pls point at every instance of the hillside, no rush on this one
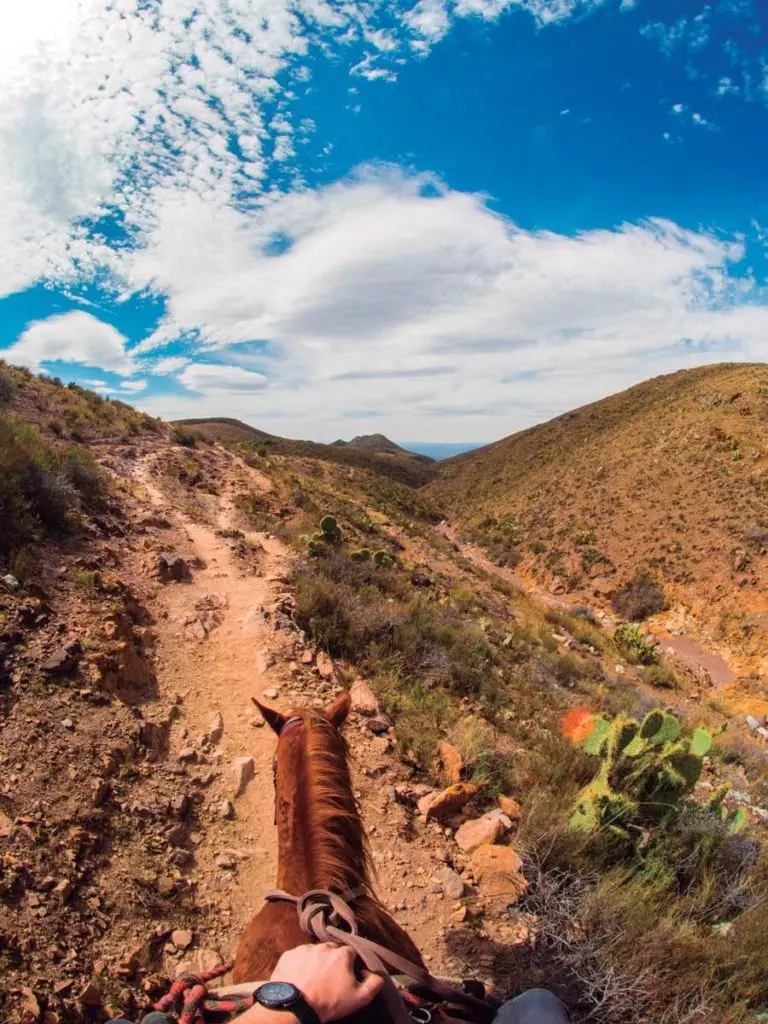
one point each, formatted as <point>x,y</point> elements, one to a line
<point>669,478</point>
<point>373,451</point>
<point>153,581</point>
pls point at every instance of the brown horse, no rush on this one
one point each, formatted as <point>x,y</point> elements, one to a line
<point>320,841</point>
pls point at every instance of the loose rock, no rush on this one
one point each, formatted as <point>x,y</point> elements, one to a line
<point>450,762</point>
<point>363,698</point>
<point>498,871</point>
<point>62,659</point>
<point>378,726</point>
<point>482,831</point>
<point>217,728</point>
<point>511,808</point>
<point>451,883</point>
<point>325,665</point>
<point>244,769</point>
<point>182,938</point>
<point>171,568</point>
<point>447,802</point>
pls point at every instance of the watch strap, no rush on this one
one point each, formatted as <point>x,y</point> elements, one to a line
<point>305,1013</point>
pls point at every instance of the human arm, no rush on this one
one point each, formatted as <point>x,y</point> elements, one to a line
<point>325,976</point>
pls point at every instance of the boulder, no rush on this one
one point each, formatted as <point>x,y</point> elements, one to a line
<point>244,769</point>
<point>363,698</point>
<point>226,809</point>
<point>482,831</point>
<point>450,762</point>
<point>498,872</point>
<point>447,802</point>
<point>511,808</point>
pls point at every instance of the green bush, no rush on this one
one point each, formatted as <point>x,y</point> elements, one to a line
<point>184,437</point>
<point>639,598</point>
<point>40,486</point>
<point>635,645</point>
<point>359,613</point>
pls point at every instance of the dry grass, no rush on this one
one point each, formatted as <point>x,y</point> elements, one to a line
<point>644,482</point>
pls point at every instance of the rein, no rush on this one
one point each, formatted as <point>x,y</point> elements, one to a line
<point>328,917</point>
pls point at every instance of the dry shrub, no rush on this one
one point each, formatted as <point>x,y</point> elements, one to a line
<point>7,386</point>
<point>40,486</point>
<point>639,598</point>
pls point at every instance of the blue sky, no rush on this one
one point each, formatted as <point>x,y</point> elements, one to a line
<point>442,220</point>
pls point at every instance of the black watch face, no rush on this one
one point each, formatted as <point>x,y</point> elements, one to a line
<point>278,994</point>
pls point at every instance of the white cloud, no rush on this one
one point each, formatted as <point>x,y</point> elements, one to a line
<point>678,108</point>
<point>726,87</point>
<point>212,378</point>
<point>75,337</point>
<point>168,365</point>
<point>134,385</point>
<point>429,19</point>
<point>413,308</point>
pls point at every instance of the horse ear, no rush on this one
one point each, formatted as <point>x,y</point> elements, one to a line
<point>273,718</point>
<point>338,711</point>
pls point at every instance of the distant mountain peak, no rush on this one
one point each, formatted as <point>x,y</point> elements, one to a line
<point>373,443</point>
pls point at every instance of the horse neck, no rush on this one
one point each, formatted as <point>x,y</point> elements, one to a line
<point>321,844</point>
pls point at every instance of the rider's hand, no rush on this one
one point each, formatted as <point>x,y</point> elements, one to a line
<point>325,975</point>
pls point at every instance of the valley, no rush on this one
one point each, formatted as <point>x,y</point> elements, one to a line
<point>156,577</point>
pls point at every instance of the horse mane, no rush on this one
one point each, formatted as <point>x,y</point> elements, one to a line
<point>340,853</point>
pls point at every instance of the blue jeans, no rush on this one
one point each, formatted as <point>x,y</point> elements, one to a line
<point>536,1006</point>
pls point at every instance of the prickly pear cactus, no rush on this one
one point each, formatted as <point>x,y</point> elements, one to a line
<point>361,555</point>
<point>383,559</point>
<point>330,530</point>
<point>647,770</point>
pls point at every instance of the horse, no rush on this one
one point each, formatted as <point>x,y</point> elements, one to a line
<point>320,841</point>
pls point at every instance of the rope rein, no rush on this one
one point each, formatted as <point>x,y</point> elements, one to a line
<point>328,917</point>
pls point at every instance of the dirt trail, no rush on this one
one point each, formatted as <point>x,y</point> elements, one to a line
<point>242,657</point>
<point>218,673</point>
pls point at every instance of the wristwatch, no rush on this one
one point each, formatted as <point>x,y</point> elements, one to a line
<point>281,995</point>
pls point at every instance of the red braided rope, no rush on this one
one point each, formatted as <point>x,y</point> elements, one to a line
<point>190,998</point>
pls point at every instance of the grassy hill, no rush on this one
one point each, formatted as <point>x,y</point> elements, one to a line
<point>373,452</point>
<point>669,479</point>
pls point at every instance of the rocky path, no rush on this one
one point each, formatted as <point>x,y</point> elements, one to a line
<point>223,637</point>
